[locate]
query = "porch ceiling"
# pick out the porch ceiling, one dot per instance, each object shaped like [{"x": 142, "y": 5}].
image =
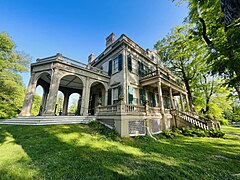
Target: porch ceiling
[{"x": 71, "y": 82}]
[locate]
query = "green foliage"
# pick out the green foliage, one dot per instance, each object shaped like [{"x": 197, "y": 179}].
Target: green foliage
[
  {"x": 202, "y": 133},
  {"x": 11, "y": 86},
  {"x": 101, "y": 129},
  {"x": 36, "y": 105},
  {"x": 11, "y": 94},
  {"x": 236, "y": 113},
  {"x": 192, "y": 132},
  {"x": 222, "y": 41},
  {"x": 73, "y": 107}
]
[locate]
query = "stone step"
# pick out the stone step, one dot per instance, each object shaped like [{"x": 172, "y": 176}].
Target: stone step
[{"x": 49, "y": 120}]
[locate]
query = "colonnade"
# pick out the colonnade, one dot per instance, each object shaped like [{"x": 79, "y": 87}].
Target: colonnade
[{"x": 50, "y": 92}]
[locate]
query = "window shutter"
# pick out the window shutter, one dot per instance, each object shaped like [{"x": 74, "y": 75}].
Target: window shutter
[
  {"x": 142, "y": 70},
  {"x": 120, "y": 60},
  {"x": 130, "y": 63},
  {"x": 119, "y": 91},
  {"x": 154, "y": 100},
  {"x": 110, "y": 68},
  {"x": 142, "y": 96},
  {"x": 139, "y": 68},
  {"x": 109, "y": 102}
]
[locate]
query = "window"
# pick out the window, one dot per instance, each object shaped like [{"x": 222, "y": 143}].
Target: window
[
  {"x": 132, "y": 95},
  {"x": 115, "y": 95},
  {"x": 115, "y": 65}
]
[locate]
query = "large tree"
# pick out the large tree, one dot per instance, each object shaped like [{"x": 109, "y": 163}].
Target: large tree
[
  {"x": 183, "y": 54},
  {"x": 221, "y": 33},
  {"x": 11, "y": 86}
]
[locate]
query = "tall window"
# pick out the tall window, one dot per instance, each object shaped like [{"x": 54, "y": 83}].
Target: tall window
[
  {"x": 115, "y": 65},
  {"x": 132, "y": 95},
  {"x": 115, "y": 95}
]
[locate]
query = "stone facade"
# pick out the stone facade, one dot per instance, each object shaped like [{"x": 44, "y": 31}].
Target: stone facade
[{"x": 125, "y": 87}]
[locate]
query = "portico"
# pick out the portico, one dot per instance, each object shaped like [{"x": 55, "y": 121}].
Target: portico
[{"x": 68, "y": 76}]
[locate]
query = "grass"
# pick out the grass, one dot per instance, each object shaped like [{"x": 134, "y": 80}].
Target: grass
[
  {"x": 81, "y": 152},
  {"x": 235, "y": 130}
]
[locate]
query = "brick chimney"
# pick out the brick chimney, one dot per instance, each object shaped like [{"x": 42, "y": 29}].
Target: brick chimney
[
  {"x": 110, "y": 39},
  {"x": 90, "y": 58}
]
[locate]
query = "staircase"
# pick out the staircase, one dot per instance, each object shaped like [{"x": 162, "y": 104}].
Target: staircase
[
  {"x": 49, "y": 120},
  {"x": 198, "y": 121}
]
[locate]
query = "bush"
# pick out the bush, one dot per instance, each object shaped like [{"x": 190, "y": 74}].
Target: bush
[
  {"x": 168, "y": 134},
  {"x": 193, "y": 132},
  {"x": 103, "y": 130},
  {"x": 215, "y": 133},
  {"x": 224, "y": 122}
]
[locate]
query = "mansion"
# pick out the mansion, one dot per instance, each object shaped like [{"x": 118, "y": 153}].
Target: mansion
[{"x": 125, "y": 87}]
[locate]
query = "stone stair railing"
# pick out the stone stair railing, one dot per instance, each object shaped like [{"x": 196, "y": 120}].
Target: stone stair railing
[{"x": 198, "y": 121}]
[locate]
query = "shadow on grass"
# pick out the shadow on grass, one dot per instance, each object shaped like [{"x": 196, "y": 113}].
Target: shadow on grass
[{"x": 57, "y": 152}]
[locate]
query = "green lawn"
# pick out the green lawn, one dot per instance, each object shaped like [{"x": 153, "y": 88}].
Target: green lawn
[
  {"x": 231, "y": 130},
  {"x": 80, "y": 152}
]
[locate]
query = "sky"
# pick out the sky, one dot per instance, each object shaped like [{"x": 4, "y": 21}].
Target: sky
[{"x": 77, "y": 28}]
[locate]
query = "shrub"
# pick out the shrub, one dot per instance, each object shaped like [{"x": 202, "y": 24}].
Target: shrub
[{"x": 101, "y": 129}]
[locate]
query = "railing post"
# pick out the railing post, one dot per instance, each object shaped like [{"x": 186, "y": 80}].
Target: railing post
[{"x": 121, "y": 106}]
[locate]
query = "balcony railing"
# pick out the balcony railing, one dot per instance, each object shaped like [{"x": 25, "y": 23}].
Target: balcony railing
[
  {"x": 162, "y": 75},
  {"x": 59, "y": 57},
  {"x": 110, "y": 108},
  {"x": 134, "y": 108}
]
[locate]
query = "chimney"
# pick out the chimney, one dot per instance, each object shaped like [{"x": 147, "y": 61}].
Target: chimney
[
  {"x": 90, "y": 58},
  {"x": 110, "y": 39}
]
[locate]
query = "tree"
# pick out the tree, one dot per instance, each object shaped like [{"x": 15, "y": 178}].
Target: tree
[
  {"x": 36, "y": 105},
  {"x": 73, "y": 107},
  {"x": 11, "y": 86},
  {"x": 178, "y": 52},
  {"x": 211, "y": 97},
  {"x": 222, "y": 39}
]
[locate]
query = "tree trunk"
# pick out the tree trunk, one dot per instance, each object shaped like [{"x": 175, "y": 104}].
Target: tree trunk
[
  {"x": 189, "y": 94},
  {"x": 231, "y": 10},
  {"x": 238, "y": 91}
]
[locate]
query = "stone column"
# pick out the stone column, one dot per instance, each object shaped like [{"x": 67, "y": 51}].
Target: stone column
[
  {"x": 44, "y": 98},
  {"x": 28, "y": 100},
  {"x": 52, "y": 97},
  {"x": 105, "y": 98},
  {"x": 161, "y": 105},
  {"x": 181, "y": 102},
  {"x": 172, "y": 108},
  {"x": 65, "y": 103},
  {"x": 85, "y": 97},
  {"x": 171, "y": 98},
  {"x": 187, "y": 101}
]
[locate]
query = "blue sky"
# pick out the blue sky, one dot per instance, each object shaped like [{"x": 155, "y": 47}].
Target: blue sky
[{"x": 76, "y": 29}]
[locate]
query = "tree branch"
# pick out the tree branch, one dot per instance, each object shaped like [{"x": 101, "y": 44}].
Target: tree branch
[{"x": 204, "y": 33}]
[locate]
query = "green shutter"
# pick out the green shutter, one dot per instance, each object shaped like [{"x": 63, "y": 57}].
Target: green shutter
[
  {"x": 110, "y": 68},
  {"x": 130, "y": 63},
  {"x": 120, "y": 62},
  {"x": 142, "y": 93},
  {"x": 119, "y": 90},
  {"x": 139, "y": 68},
  {"x": 109, "y": 102}
]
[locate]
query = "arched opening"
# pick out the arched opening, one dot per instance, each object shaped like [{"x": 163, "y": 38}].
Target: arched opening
[
  {"x": 71, "y": 86},
  {"x": 74, "y": 106},
  {"x": 97, "y": 97},
  {"x": 59, "y": 104},
  {"x": 37, "y": 101},
  {"x": 41, "y": 94}
]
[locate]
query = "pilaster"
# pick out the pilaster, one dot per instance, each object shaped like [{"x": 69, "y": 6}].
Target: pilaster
[
  {"x": 28, "y": 100},
  {"x": 52, "y": 98}
]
